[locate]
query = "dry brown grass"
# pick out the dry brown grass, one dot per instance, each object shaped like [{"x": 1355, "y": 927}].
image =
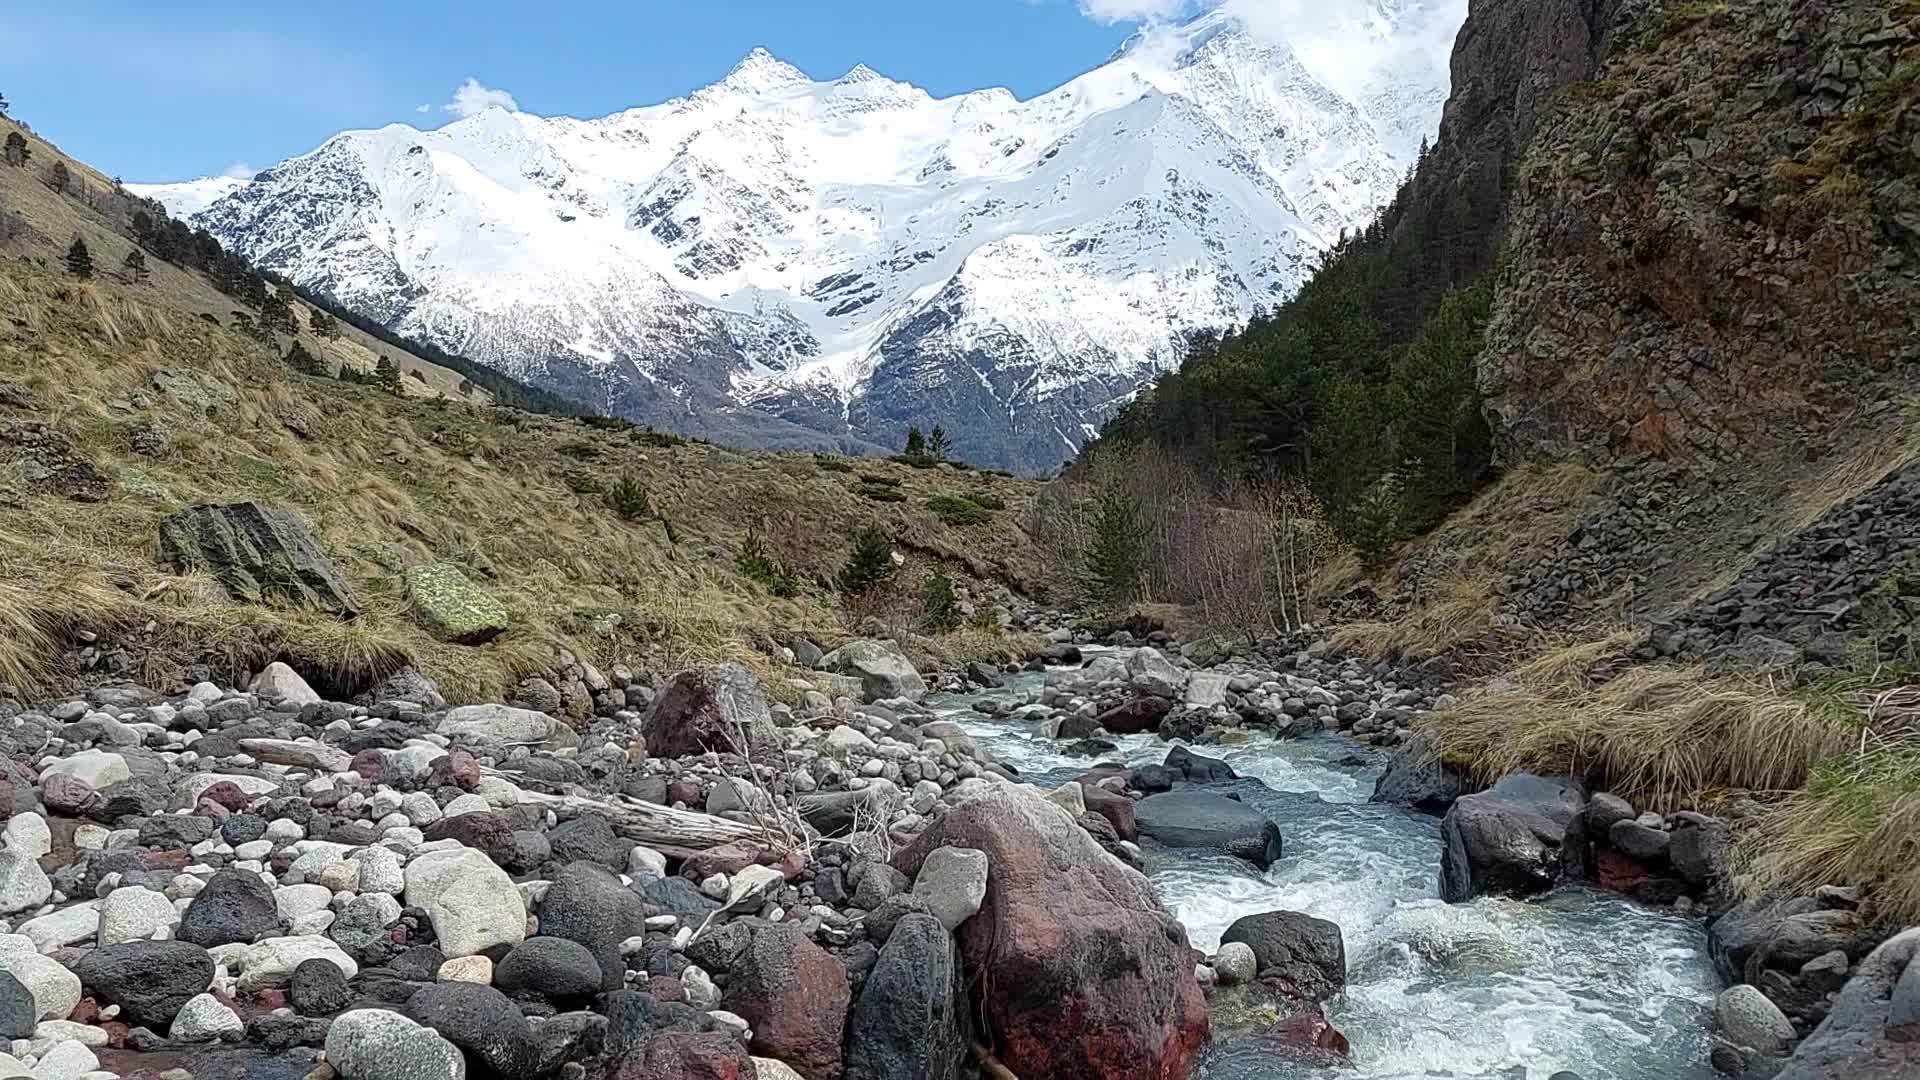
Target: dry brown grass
[
  {"x": 1457, "y": 613},
  {"x": 387, "y": 482},
  {"x": 1664, "y": 738}
]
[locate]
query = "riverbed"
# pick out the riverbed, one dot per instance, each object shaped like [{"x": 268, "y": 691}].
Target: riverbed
[{"x": 1494, "y": 989}]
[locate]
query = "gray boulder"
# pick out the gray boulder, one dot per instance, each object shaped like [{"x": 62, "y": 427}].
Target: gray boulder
[
  {"x": 375, "y": 1044},
  {"x": 258, "y": 553},
  {"x": 911, "y": 1022},
  {"x": 1507, "y": 840},
  {"x": 1307, "y": 956},
  {"x": 1417, "y": 779},
  {"x": 1873, "y": 1032},
  {"x": 883, "y": 670},
  {"x": 1202, "y": 819}
]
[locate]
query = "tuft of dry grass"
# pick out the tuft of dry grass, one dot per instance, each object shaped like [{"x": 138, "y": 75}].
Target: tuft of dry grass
[
  {"x": 1661, "y": 737},
  {"x": 1457, "y": 613}
]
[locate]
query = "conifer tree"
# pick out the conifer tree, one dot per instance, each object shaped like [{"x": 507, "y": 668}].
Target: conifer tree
[
  {"x": 916, "y": 443},
  {"x": 938, "y": 447},
  {"x": 18, "y": 152},
  {"x": 135, "y": 265},
  {"x": 57, "y": 176},
  {"x": 870, "y": 566},
  {"x": 1117, "y": 557},
  {"x": 304, "y": 362},
  {"x": 79, "y": 259},
  {"x": 386, "y": 375}
]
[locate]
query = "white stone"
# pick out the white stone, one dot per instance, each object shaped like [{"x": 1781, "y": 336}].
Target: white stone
[
  {"x": 844, "y": 740},
  {"x": 953, "y": 882},
  {"x": 499, "y": 792},
  {"x": 701, "y": 993},
  {"x": 502, "y": 722},
  {"x": 420, "y": 808},
  {"x": 285, "y": 830},
  {"x": 380, "y": 871},
  {"x": 67, "y": 1061},
  {"x": 95, "y": 768},
  {"x": 301, "y": 755},
  {"x": 203, "y": 694},
  {"x": 1069, "y": 797},
  {"x": 203, "y": 1019},
  {"x": 473, "y": 969},
  {"x": 132, "y": 913},
  {"x": 90, "y": 837},
  {"x": 23, "y": 885},
  {"x": 645, "y": 860},
  {"x": 293, "y": 901},
  {"x": 283, "y": 684},
  {"x": 54, "y": 989},
  {"x": 28, "y": 834},
  {"x": 271, "y": 962},
  {"x": 193, "y": 786},
  {"x": 62, "y": 927},
  {"x": 473, "y": 903},
  {"x": 1235, "y": 963},
  {"x": 1207, "y": 688},
  {"x": 254, "y": 849},
  {"x": 376, "y": 1044},
  {"x": 49, "y": 1033},
  {"x": 1151, "y": 672},
  {"x": 465, "y": 804},
  {"x": 772, "y": 1069}
]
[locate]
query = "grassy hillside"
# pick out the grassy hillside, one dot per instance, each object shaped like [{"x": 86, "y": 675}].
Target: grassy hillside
[{"x": 123, "y": 401}]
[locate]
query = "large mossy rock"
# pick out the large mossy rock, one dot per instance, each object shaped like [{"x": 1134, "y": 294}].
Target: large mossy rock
[
  {"x": 258, "y": 552},
  {"x": 453, "y": 607}
]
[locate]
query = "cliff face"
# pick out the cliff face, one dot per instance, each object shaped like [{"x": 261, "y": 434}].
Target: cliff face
[{"x": 1713, "y": 246}]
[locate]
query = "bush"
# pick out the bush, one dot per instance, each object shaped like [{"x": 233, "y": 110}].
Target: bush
[
  {"x": 757, "y": 563},
  {"x": 304, "y": 362},
  {"x": 939, "y": 604},
  {"x": 833, "y": 463},
  {"x": 988, "y": 500},
  {"x": 870, "y": 566},
  {"x": 957, "y": 511},
  {"x": 629, "y": 498},
  {"x": 918, "y": 461}
]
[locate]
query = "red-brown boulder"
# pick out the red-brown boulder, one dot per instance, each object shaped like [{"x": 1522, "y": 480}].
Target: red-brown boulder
[
  {"x": 794, "y": 995},
  {"x": 709, "y": 708},
  {"x": 1076, "y": 967},
  {"x": 1115, "y": 807},
  {"x": 1135, "y": 716},
  {"x": 685, "y": 1055}
]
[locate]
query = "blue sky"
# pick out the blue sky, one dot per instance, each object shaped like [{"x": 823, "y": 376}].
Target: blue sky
[{"x": 165, "y": 91}]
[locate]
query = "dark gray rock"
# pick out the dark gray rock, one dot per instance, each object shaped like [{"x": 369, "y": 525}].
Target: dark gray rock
[
  {"x": 318, "y": 988},
  {"x": 551, "y": 967},
  {"x": 149, "y": 980},
  {"x": 480, "y": 1020},
  {"x": 18, "y": 1015},
  {"x": 717, "y": 949},
  {"x": 1201, "y": 819},
  {"x": 1305, "y": 955},
  {"x": 673, "y": 896},
  {"x": 587, "y": 904},
  {"x": 911, "y": 1022},
  {"x": 1642, "y": 842},
  {"x": 1873, "y": 1031},
  {"x": 1417, "y": 779},
  {"x": 235, "y": 906},
  {"x": 1507, "y": 840},
  {"x": 258, "y": 552},
  {"x": 1695, "y": 852},
  {"x": 1197, "y": 769},
  {"x": 589, "y": 838},
  {"x": 172, "y": 831},
  {"x": 883, "y": 920}
]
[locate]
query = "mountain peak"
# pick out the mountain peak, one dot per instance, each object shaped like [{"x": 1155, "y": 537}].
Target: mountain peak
[{"x": 760, "y": 70}]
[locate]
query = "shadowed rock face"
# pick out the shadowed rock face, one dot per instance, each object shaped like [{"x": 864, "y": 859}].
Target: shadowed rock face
[
  {"x": 708, "y": 709},
  {"x": 260, "y": 553},
  {"x": 1873, "y": 1032},
  {"x": 1075, "y": 965},
  {"x": 1507, "y": 840}
]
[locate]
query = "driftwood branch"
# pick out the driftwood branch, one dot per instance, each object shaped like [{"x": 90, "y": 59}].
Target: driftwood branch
[{"x": 677, "y": 833}]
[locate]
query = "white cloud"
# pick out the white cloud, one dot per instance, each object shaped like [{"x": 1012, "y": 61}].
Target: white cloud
[
  {"x": 423, "y": 109},
  {"x": 1117, "y": 11},
  {"x": 239, "y": 170},
  {"x": 471, "y": 97}
]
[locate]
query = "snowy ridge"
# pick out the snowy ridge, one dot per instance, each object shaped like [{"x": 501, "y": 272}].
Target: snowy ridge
[{"x": 786, "y": 262}]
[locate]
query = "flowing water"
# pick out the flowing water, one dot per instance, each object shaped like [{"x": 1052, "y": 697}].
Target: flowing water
[{"x": 1489, "y": 990}]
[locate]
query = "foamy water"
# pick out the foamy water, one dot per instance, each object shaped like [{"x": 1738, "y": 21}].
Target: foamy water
[{"x": 1489, "y": 990}]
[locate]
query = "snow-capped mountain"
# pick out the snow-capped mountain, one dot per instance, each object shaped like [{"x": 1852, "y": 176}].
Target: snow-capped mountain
[{"x": 780, "y": 261}]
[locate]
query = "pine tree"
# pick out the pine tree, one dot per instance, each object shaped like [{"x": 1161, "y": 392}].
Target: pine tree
[
  {"x": 18, "y": 152},
  {"x": 937, "y": 445},
  {"x": 939, "y": 604},
  {"x": 57, "y": 176},
  {"x": 916, "y": 443},
  {"x": 1117, "y": 557},
  {"x": 386, "y": 375},
  {"x": 135, "y": 265},
  {"x": 304, "y": 362},
  {"x": 79, "y": 259},
  {"x": 3, "y": 104},
  {"x": 628, "y": 496},
  {"x": 870, "y": 567}
]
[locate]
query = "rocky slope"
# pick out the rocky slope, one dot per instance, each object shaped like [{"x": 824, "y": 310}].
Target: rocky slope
[{"x": 788, "y": 262}]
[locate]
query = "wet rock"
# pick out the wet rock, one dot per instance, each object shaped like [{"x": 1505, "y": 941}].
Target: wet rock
[
  {"x": 1130, "y": 717},
  {"x": 1507, "y": 840},
  {"x": 1198, "y": 769},
  {"x": 1640, "y": 841},
  {"x": 1202, "y": 819},
  {"x": 1305, "y": 956},
  {"x": 1082, "y": 971},
  {"x": 1416, "y": 779},
  {"x": 911, "y": 1022}
]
